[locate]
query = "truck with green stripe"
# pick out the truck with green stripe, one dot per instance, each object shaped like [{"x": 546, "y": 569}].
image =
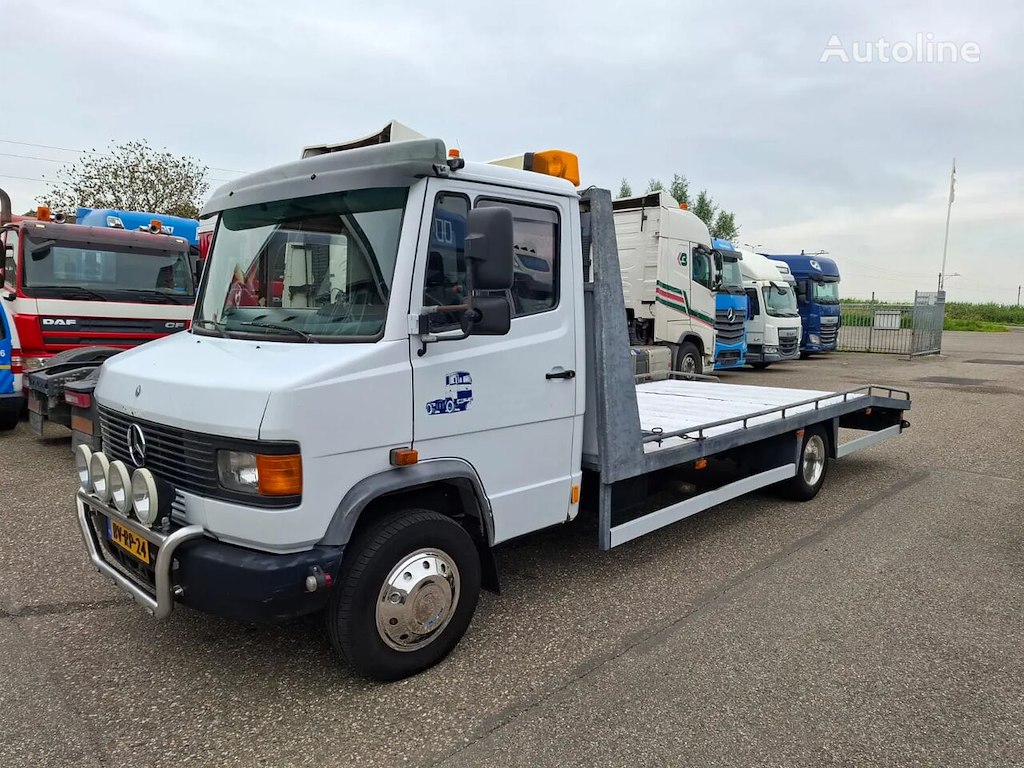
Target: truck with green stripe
[{"x": 669, "y": 275}]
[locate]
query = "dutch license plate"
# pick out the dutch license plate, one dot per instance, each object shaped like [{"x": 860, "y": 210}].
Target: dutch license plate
[{"x": 134, "y": 545}]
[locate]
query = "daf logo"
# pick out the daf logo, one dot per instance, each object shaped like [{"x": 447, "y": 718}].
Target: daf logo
[
  {"x": 815, "y": 265},
  {"x": 59, "y": 321},
  {"x": 730, "y": 315},
  {"x": 137, "y": 445}
]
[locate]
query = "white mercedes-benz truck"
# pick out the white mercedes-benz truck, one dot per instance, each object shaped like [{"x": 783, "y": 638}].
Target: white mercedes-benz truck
[{"x": 376, "y": 391}]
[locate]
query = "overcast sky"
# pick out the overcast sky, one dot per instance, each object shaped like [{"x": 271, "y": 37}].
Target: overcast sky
[{"x": 846, "y": 157}]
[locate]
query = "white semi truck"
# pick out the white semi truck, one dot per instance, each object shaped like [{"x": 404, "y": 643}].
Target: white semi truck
[
  {"x": 276, "y": 461},
  {"x": 773, "y": 322},
  {"x": 669, "y": 276}
]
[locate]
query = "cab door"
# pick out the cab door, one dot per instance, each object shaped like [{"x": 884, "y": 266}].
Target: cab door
[
  {"x": 511, "y": 406},
  {"x": 6, "y": 350}
]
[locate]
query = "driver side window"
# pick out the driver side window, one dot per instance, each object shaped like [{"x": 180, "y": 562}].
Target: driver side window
[
  {"x": 444, "y": 282},
  {"x": 11, "y": 259},
  {"x": 702, "y": 267}
]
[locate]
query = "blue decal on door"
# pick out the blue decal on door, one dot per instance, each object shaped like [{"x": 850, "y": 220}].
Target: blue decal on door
[{"x": 458, "y": 394}]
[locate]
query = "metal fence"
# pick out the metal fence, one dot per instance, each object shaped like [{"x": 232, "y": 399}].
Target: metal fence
[{"x": 899, "y": 329}]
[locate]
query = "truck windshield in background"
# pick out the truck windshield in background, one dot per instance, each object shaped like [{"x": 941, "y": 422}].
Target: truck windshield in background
[
  {"x": 308, "y": 269},
  {"x": 825, "y": 292},
  {"x": 732, "y": 277},
  {"x": 65, "y": 269},
  {"x": 780, "y": 301}
]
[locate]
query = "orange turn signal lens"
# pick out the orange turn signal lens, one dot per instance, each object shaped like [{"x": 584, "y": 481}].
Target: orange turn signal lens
[
  {"x": 559, "y": 163},
  {"x": 700, "y": 464},
  {"x": 575, "y": 494},
  {"x": 403, "y": 457},
  {"x": 279, "y": 475}
]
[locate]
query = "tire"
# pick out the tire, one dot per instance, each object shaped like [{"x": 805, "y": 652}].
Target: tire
[
  {"x": 9, "y": 420},
  {"x": 812, "y": 468},
  {"x": 688, "y": 359},
  {"x": 449, "y": 406},
  {"x": 358, "y": 617},
  {"x": 759, "y": 366},
  {"x": 804, "y": 355}
]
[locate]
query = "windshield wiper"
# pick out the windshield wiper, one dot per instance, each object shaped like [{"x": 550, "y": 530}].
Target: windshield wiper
[
  {"x": 77, "y": 292},
  {"x": 157, "y": 297},
  {"x": 281, "y": 327},
  {"x": 218, "y": 327}
]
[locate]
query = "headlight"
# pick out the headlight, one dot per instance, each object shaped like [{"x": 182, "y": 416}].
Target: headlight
[
  {"x": 34, "y": 363},
  {"x": 82, "y": 456},
  {"x": 815, "y": 338},
  {"x": 770, "y": 349},
  {"x": 120, "y": 481},
  {"x": 145, "y": 499},
  {"x": 260, "y": 474},
  {"x": 99, "y": 467},
  {"x": 238, "y": 472}
]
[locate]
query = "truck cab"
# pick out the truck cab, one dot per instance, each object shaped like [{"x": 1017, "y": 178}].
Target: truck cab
[
  {"x": 817, "y": 285},
  {"x": 70, "y": 286},
  {"x": 669, "y": 277},
  {"x": 730, "y": 310},
  {"x": 773, "y": 327}
]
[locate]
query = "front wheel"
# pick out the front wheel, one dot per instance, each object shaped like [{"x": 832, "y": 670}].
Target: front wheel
[
  {"x": 811, "y": 469},
  {"x": 689, "y": 359},
  {"x": 407, "y": 592}
]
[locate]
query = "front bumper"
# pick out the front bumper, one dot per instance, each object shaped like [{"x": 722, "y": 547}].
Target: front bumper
[
  {"x": 196, "y": 570},
  {"x": 756, "y": 354}
]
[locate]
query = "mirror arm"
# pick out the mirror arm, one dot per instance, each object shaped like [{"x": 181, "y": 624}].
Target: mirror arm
[{"x": 469, "y": 317}]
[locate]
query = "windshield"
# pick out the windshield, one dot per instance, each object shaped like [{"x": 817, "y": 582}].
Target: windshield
[
  {"x": 731, "y": 276},
  {"x": 62, "y": 269},
  {"x": 780, "y": 301},
  {"x": 309, "y": 269},
  {"x": 826, "y": 293}
]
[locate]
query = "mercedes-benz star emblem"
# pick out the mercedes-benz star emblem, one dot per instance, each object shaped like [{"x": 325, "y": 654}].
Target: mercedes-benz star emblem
[
  {"x": 730, "y": 315},
  {"x": 137, "y": 445}
]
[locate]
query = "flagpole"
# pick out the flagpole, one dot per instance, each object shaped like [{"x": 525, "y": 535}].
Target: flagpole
[{"x": 949, "y": 210}]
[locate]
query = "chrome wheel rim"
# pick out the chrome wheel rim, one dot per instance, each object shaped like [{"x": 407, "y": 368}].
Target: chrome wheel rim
[
  {"x": 417, "y": 600},
  {"x": 813, "y": 460}
]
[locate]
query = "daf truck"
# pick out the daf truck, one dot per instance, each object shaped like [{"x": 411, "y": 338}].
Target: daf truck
[
  {"x": 817, "y": 284},
  {"x": 773, "y": 326},
  {"x": 312, "y": 470}
]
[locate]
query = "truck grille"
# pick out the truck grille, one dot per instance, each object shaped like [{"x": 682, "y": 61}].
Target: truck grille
[
  {"x": 789, "y": 347},
  {"x": 726, "y": 331},
  {"x": 728, "y": 356},
  {"x": 828, "y": 334},
  {"x": 187, "y": 460}
]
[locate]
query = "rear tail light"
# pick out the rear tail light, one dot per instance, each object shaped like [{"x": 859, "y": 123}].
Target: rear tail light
[
  {"x": 17, "y": 362},
  {"x": 78, "y": 399}
]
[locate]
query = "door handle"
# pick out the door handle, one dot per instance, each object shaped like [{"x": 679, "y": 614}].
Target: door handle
[{"x": 561, "y": 375}]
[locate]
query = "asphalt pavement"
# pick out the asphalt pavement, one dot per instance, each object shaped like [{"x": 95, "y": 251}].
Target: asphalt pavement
[{"x": 879, "y": 624}]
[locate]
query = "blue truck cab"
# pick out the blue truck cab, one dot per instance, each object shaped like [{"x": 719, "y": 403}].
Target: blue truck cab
[
  {"x": 730, "y": 310},
  {"x": 178, "y": 226},
  {"x": 12, "y": 399},
  {"x": 817, "y": 291}
]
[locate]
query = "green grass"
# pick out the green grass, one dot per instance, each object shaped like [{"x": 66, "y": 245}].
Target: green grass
[
  {"x": 960, "y": 315},
  {"x": 958, "y": 324}
]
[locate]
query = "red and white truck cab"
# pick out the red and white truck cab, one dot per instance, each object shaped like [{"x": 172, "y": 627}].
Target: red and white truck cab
[{"x": 71, "y": 286}]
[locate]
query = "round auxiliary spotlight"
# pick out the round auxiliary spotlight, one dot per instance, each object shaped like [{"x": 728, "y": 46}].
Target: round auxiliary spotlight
[
  {"x": 144, "y": 497},
  {"x": 82, "y": 456},
  {"x": 99, "y": 469},
  {"x": 120, "y": 486}
]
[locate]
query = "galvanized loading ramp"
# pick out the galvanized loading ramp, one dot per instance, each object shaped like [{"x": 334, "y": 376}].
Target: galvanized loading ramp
[{"x": 641, "y": 429}]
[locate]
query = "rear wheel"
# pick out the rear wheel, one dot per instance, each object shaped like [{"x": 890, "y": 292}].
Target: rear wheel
[
  {"x": 9, "y": 420},
  {"x": 689, "y": 359},
  {"x": 407, "y": 592},
  {"x": 811, "y": 469}
]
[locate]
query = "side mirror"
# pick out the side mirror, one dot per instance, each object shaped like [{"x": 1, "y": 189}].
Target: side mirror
[
  {"x": 488, "y": 316},
  {"x": 489, "y": 249}
]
